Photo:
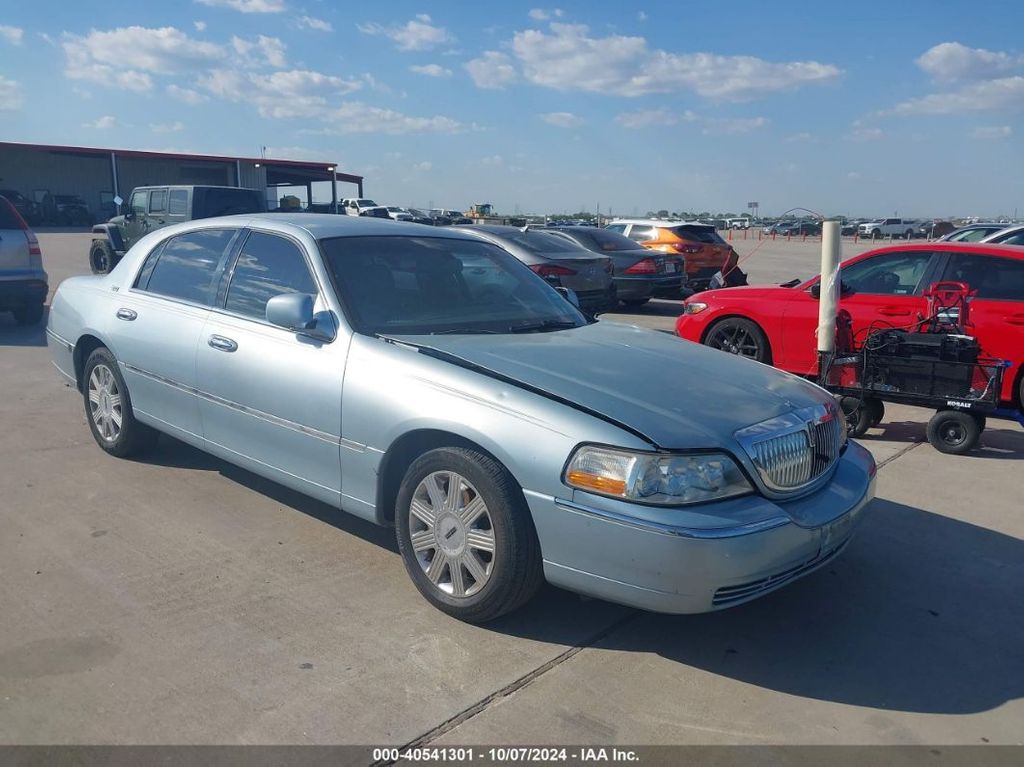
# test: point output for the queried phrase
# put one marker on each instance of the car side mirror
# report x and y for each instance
(569, 295)
(844, 290)
(129, 215)
(294, 312)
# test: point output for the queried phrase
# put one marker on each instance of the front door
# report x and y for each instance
(271, 396)
(886, 293)
(135, 221)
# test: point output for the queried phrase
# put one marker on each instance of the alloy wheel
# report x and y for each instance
(105, 407)
(735, 340)
(451, 533)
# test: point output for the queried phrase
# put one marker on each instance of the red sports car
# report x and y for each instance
(881, 288)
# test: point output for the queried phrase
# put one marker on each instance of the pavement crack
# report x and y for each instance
(900, 454)
(513, 687)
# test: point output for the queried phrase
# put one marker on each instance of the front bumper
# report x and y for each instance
(643, 560)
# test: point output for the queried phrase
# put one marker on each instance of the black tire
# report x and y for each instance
(101, 257)
(876, 233)
(634, 303)
(515, 564)
(954, 432)
(132, 437)
(877, 408)
(737, 335)
(28, 315)
(909, 234)
(858, 413)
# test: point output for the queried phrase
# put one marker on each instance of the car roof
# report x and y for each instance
(324, 225)
(977, 248)
(659, 222)
(1012, 229)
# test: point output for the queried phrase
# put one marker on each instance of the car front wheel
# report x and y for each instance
(466, 536)
(737, 335)
(108, 408)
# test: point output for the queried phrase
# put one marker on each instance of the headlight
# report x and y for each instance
(694, 307)
(668, 480)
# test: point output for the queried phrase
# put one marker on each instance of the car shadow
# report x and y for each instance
(13, 334)
(922, 612)
(1001, 440)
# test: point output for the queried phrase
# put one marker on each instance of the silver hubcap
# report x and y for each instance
(105, 403)
(451, 533)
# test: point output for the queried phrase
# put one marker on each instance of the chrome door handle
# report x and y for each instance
(127, 314)
(222, 343)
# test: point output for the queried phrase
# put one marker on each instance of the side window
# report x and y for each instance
(620, 228)
(139, 203)
(997, 279)
(187, 266)
(1014, 239)
(893, 274)
(177, 204)
(641, 233)
(267, 266)
(158, 201)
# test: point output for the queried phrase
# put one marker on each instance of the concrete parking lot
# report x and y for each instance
(178, 599)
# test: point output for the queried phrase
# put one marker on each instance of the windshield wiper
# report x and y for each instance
(543, 326)
(463, 331)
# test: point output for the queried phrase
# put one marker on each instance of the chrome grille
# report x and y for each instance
(792, 451)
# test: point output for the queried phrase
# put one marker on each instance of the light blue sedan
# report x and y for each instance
(427, 380)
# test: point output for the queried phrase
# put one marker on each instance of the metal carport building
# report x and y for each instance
(98, 175)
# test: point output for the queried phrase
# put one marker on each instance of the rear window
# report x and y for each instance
(542, 242)
(705, 234)
(225, 201)
(178, 204)
(8, 215)
(605, 241)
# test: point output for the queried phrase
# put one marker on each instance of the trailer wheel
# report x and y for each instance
(877, 410)
(859, 413)
(954, 432)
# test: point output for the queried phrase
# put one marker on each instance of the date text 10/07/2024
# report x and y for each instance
(461, 754)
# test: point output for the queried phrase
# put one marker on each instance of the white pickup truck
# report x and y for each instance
(883, 227)
(361, 206)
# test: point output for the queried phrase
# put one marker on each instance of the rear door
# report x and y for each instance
(887, 290)
(13, 242)
(997, 312)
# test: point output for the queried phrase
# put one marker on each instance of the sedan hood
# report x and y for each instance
(675, 393)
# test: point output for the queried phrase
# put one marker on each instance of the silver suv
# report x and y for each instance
(23, 283)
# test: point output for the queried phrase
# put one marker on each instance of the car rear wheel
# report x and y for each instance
(28, 315)
(466, 535)
(737, 335)
(108, 408)
(101, 257)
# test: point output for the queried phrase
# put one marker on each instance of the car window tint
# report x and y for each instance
(158, 201)
(267, 266)
(1015, 238)
(641, 233)
(997, 279)
(8, 215)
(603, 241)
(542, 242)
(187, 265)
(178, 203)
(705, 234)
(616, 227)
(139, 202)
(888, 274)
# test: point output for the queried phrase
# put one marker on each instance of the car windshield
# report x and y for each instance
(366, 203)
(606, 241)
(433, 285)
(705, 234)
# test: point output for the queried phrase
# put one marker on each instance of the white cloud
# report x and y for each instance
(199, 25)
(186, 95)
(431, 70)
(562, 119)
(710, 126)
(641, 16)
(492, 160)
(10, 94)
(1004, 93)
(423, 166)
(247, 6)
(294, 153)
(101, 123)
(992, 132)
(954, 61)
(262, 50)
(126, 57)
(568, 57)
(419, 34)
(173, 127)
(853, 175)
(491, 70)
(356, 117)
(544, 14)
(12, 35)
(319, 25)
(282, 94)
(861, 134)
(646, 118)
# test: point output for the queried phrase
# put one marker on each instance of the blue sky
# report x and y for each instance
(867, 108)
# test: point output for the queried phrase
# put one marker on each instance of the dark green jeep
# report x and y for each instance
(153, 207)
